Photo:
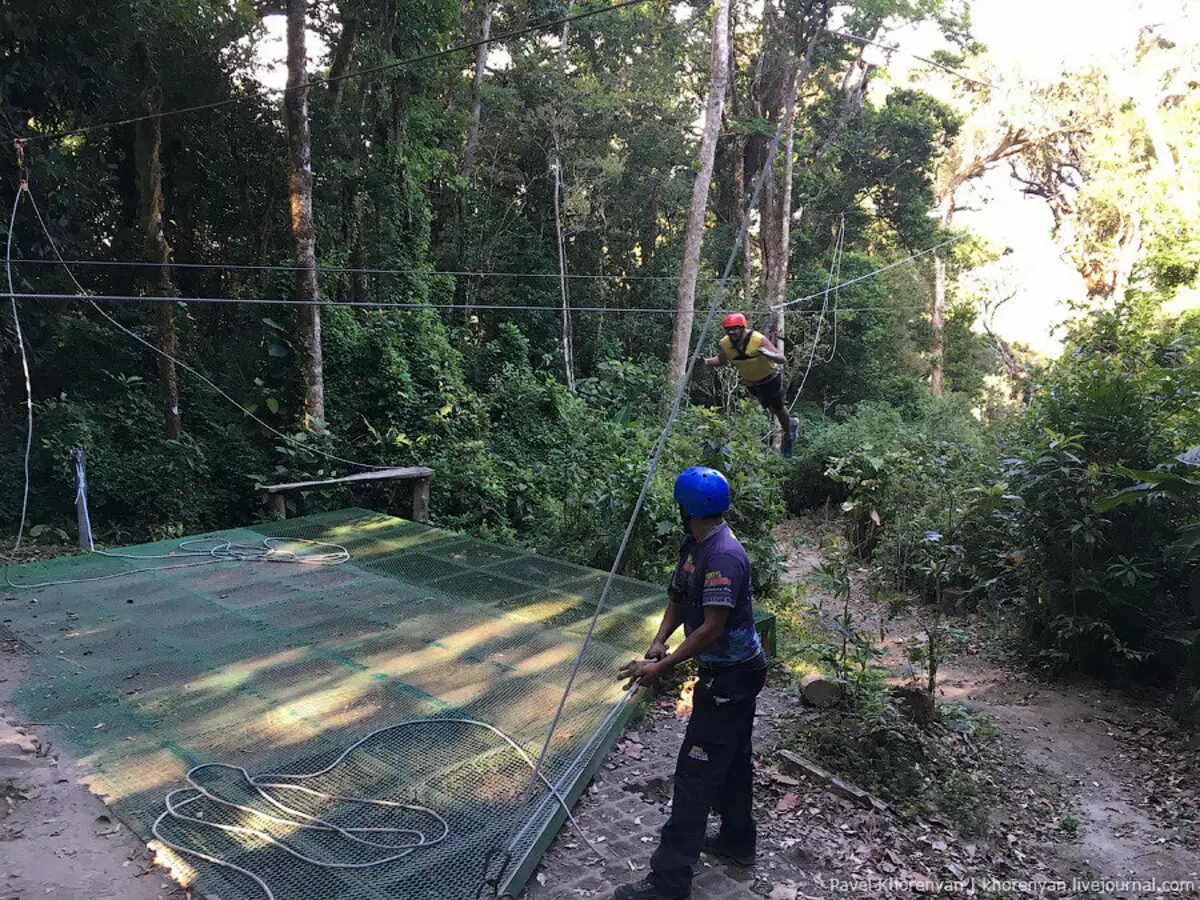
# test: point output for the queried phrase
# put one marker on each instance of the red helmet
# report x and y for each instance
(733, 320)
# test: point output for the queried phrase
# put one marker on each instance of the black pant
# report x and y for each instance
(768, 392)
(715, 772)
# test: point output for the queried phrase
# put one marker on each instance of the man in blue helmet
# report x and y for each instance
(709, 595)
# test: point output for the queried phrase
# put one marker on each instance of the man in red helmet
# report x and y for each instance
(760, 364)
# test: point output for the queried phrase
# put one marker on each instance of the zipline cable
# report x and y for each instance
(141, 340)
(347, 270)
(367, 304)
(880, 271)
(358, 73)
(895, 48)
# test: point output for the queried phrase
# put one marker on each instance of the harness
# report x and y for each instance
(751, 365)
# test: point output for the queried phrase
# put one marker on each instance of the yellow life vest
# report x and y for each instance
(750, 365)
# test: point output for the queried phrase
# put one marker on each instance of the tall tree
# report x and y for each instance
(1116, 169)
(487, 9)
(977, 151)
(148, 158)
(788, 45)
(300, 187)
(685, 296)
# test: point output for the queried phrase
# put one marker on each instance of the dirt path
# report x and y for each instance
(1133, 783)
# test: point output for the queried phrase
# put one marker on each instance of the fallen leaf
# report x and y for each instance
(786, 802)
(783, 892)
(920, 882)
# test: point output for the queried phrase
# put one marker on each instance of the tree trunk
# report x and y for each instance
(481, 54)
(739, 200)
(775, 206)
(148, 155)
(938, 319)
(681, 336)
(566, 32)
(300, 185)
(937, 315)
(777, 287)
(341, 61)
(740, 213)
(568, 345)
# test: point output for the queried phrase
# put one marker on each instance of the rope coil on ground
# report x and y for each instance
(262, 786)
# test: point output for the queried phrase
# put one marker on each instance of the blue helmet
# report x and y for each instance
(702, 492)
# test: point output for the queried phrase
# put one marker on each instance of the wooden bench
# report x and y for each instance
(418, 474)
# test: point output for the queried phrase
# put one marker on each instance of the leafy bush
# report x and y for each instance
(869, 427)
(1060, 523)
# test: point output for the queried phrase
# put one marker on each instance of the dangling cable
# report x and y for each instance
(837, 268)
(178, 362)
(834, 264)
(22, 189)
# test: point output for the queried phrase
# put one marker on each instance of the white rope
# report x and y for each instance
(293, 818)
(879, 271)
(834, 268)
(21, 191)
(222, 552)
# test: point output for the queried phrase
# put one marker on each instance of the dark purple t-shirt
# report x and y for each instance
(715, 571)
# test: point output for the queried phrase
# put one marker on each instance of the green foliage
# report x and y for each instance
(126, 473)
(868, 432)
(1076, 525)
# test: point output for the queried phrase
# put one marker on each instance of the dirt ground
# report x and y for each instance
(56, 838)
(1128, 776)
(1081, 751)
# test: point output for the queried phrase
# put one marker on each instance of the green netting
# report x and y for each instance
(274, 667)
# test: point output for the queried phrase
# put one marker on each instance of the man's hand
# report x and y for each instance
(640, 671)
(657, 650)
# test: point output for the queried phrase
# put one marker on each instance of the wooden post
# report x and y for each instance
(420, 511)
(278, 506)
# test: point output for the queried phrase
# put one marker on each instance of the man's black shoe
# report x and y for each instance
(645, 890)
(713, 846)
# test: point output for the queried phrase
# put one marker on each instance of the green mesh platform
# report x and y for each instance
(276, 667)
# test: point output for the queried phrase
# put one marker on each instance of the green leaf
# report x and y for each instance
(272, 404)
